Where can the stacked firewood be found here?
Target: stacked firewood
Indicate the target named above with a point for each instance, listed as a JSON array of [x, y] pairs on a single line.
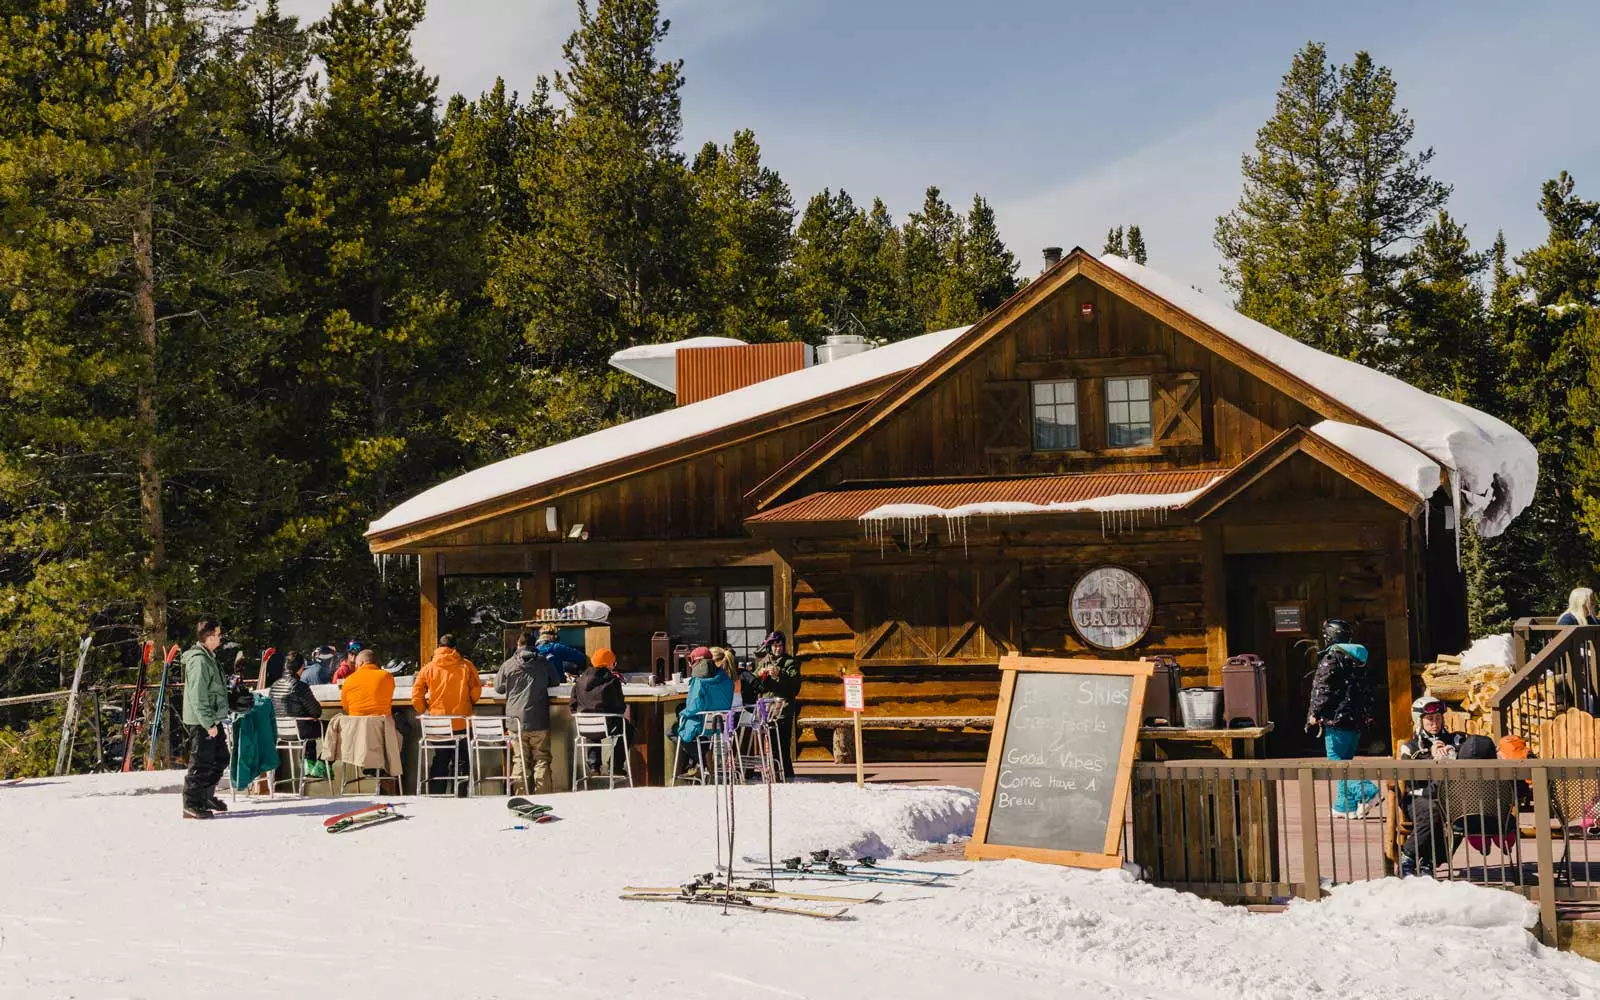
[[1471, 693]]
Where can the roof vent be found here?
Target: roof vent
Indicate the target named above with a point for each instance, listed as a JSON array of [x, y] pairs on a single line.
[[841, 345], [658, 363], [1052, 257]]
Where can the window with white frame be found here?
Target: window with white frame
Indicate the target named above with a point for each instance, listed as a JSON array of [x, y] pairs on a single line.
[[1055, 415], [1127, 412], [746, 619]]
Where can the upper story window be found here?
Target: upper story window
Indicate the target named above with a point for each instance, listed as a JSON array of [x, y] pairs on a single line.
[[1127, 412], [1055, 415]]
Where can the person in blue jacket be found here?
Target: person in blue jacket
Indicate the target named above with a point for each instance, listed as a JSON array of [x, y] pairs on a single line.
[[563, 659], [710, 690], [1342, 704]]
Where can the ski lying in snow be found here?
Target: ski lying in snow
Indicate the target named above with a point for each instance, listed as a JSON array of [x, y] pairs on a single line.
[[736, 901], [757, 889], [384, 812], [824, 875], [869, 864], [827, 860]]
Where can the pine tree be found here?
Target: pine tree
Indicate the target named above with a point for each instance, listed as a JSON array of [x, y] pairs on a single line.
[[746, 225], [1136, 249], [1437, 342], [931, 238], [1115, 244], [991, 268], [1287, 246], [847, 272], [1488, 613], [1390, 197], [130, 278]]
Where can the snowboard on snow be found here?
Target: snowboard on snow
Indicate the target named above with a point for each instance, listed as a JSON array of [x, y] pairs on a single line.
[[384, 812], [534, 812]]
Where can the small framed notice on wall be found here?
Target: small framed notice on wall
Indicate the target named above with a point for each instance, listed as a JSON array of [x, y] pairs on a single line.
[[1288, 619]]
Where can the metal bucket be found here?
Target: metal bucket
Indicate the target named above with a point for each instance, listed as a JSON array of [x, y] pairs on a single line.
[[1200, 707]]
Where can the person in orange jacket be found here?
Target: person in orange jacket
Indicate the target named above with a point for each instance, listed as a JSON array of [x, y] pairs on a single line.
[[448, 685], [369, 690]]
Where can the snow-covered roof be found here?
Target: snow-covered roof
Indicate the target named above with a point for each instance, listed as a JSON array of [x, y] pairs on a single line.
[[1493, 468], [658, 363], [1394, 458], [636, 437]]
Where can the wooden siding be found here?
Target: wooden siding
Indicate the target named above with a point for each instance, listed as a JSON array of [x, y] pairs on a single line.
[[700, 497], [943, 431]]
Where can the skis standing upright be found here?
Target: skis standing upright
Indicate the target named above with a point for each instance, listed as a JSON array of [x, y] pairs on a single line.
[[70, 719], [161, 707], [133, 725]]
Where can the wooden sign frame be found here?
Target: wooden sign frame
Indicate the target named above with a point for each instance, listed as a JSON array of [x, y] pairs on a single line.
[[978, 847]]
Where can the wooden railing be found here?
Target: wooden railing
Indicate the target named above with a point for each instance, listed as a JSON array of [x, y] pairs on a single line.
[[1265, 832], [1560, 676], [1528, 636]]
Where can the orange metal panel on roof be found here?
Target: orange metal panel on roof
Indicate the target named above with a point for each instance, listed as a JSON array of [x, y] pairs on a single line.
[[704, 372], [847, 504]]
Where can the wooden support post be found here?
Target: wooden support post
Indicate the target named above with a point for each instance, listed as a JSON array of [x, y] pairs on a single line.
[[1397, 637], [783, 600], [1546, 856], [431, 595], [538, 587], [1311, 880], [861, 777], [1214, 598]]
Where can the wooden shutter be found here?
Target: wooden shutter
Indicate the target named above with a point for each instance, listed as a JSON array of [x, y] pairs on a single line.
[[902, 620], [981, 610], [1007, 417], [1178, 415]]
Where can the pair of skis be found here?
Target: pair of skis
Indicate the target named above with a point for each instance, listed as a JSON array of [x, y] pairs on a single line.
[[809, 873], [756, 896], [133, 725]]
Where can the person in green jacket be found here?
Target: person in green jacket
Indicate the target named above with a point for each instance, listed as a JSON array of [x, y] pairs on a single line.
[[777, 674], [205, 705]]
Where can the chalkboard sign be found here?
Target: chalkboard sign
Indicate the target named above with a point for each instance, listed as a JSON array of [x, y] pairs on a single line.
[[689, 618], [1060, 758]]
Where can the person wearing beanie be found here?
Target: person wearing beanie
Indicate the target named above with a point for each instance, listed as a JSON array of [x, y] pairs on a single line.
[[599, 689], [710, 691], [777, 675]]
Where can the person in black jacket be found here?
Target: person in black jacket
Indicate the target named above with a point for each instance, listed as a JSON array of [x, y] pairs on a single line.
[[599, 689], [1341, 703], [292, 699], [777, 675]]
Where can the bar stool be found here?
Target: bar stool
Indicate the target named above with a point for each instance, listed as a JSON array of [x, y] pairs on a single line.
[[490, 733], [594, 732], [439, 734], [291, 743], [701, 744]]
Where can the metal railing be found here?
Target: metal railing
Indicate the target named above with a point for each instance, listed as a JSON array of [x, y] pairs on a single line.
[[1560, 676], [1265, 831]]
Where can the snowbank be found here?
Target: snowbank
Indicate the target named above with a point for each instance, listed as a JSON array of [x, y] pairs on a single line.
[[1488, 651], [658, 430], [1495, 468], [106, 893]]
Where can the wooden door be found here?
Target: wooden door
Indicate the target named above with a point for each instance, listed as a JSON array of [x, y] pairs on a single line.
[[1311, 583]]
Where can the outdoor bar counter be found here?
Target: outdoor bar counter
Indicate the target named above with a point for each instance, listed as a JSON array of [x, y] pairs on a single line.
[[652, 709]]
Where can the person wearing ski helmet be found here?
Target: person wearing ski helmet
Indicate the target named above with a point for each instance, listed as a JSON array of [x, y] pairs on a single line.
[[1432, 742], [777, 674], [1342, 704], [319, 669], [347, 666]]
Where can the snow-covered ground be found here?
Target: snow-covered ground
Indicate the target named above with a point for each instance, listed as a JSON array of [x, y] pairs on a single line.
[[105, 892]]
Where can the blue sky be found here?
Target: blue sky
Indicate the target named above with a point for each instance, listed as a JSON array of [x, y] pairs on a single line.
[[1072, 117]]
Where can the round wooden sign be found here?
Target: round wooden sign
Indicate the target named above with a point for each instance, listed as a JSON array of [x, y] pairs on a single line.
[[1111, 607]]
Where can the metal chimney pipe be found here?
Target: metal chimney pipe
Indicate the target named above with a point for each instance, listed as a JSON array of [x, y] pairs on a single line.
[[1052, 257]]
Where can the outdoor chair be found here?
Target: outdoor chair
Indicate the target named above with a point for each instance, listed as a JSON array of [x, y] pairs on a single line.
[[1481, 812], [757, 738], [439, 735], [596, 731], [379, 759], [491, 734], [293, 746], [704, 747]]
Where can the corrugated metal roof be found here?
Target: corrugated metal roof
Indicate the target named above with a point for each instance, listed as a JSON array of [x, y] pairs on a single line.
[[704, 372], [847, 504]]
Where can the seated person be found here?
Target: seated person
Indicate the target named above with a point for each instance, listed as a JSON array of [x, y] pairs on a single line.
[[1426, 845], [292, 699], [320, 669], [599, 689], [563, 659], [369, 690], [710, 690], [448, 685]]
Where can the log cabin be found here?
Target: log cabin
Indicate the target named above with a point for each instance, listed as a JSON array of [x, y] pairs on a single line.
[[1110, 464]]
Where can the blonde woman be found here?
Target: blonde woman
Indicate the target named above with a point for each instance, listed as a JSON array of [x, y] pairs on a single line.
[[1580, 608]]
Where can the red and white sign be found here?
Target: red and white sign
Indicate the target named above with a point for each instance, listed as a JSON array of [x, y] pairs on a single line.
[[855, 700]]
